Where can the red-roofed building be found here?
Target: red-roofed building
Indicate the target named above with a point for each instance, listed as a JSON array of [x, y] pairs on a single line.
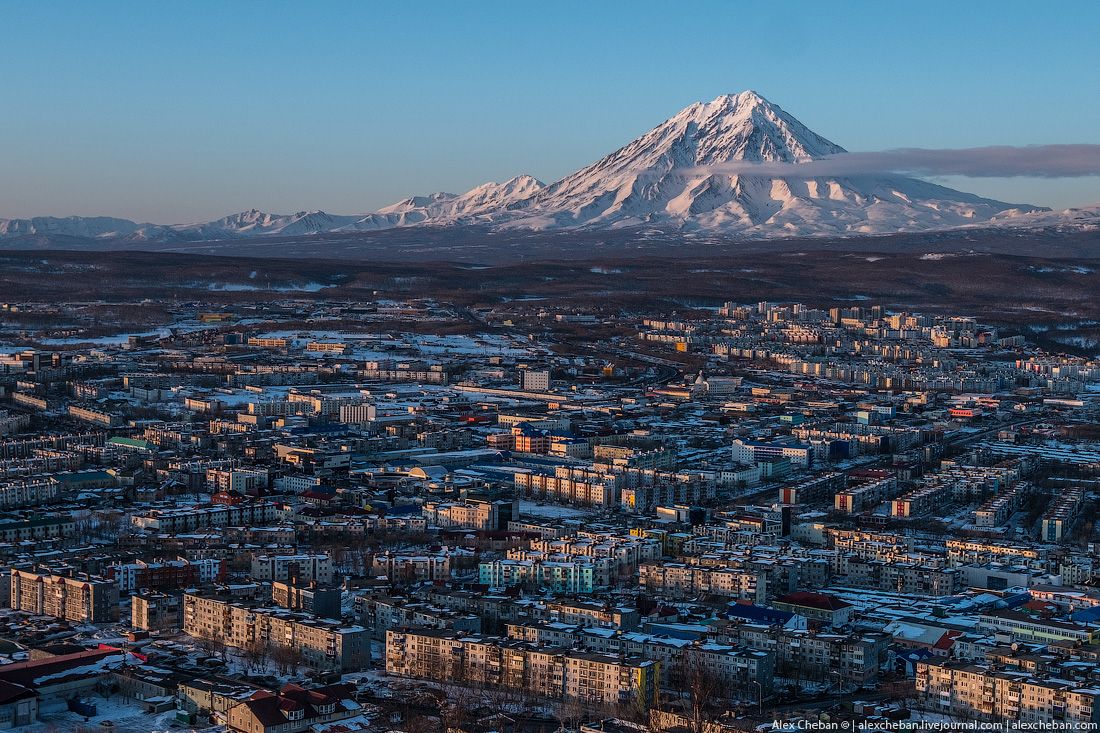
[[816, 607], [55, 680], [293, 709]]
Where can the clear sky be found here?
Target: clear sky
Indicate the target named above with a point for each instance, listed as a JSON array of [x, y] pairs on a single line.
[[182, 111]]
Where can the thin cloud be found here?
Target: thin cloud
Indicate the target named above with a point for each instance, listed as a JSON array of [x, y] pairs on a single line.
[[995, 161]]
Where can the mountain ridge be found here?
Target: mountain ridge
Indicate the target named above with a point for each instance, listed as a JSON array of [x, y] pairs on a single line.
[[670, 177]]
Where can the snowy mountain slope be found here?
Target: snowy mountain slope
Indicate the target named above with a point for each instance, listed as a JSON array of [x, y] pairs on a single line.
[[672, 176], [447, 209], [91, 227], [253, 223], [1085, 218]]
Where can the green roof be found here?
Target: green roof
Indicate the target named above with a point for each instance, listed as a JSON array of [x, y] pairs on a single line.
[[84, 476], [132, 443]]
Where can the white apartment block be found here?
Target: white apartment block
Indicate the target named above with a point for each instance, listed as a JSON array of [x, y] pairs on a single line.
[[304, 567]]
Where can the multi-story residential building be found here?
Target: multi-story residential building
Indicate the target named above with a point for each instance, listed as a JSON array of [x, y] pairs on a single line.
[[815, 489], [973, 551], [898, 575], [471, 513], [542, 672], [413, 567], [156, 611], [379, 614], [535, 380], [643, 489], [174, 520], [977, 692], [97, 417], [358, 413], [308, 598], [30, 491], [560, 574], [736, 668], [30, 530], [303, 567], [681, 580], [79, 598], [1062, 514], [321, 644], [165, 574], [865, 492], [592, 614], [748, 451], [574, 485], [236, 480], [856, 657]]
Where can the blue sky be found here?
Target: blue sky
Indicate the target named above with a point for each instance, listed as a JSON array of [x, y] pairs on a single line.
[[174, 112]]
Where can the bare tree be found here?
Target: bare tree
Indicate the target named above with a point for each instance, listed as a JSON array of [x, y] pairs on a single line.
[[691, 676]]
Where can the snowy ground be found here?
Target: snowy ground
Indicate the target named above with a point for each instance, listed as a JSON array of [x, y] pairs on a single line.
[[535, 509], [126, 717]]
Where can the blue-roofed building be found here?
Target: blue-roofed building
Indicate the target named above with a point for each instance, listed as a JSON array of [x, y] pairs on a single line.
[[1086, 614], [403, 510], [754, 614], [687, 632]]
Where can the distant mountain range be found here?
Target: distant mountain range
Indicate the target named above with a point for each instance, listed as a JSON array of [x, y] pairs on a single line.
[[671, 178]]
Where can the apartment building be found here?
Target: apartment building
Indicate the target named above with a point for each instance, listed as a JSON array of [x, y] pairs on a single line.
[[560, 574], [379, 614], [30, 491], [684, 581], [236, 480], [977, 692], [543, 672], [625, 551], [999, 507], [857, 656], [747, 451], [591, 614], [304, 567], [97, 417], [644, 489], [471, 513], [309, 598], [322, 644], [401, 567], [735, 667], [899, 576], [210, 515], [971, 551], [816, 489], [156, 611], [861, 495], [574, 485], [1062, 514], [358, 414], [534, 380], [80, 598], [23, 530]]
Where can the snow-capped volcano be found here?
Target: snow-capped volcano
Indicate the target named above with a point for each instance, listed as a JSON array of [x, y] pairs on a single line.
[[728, 166], [673, 176]]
